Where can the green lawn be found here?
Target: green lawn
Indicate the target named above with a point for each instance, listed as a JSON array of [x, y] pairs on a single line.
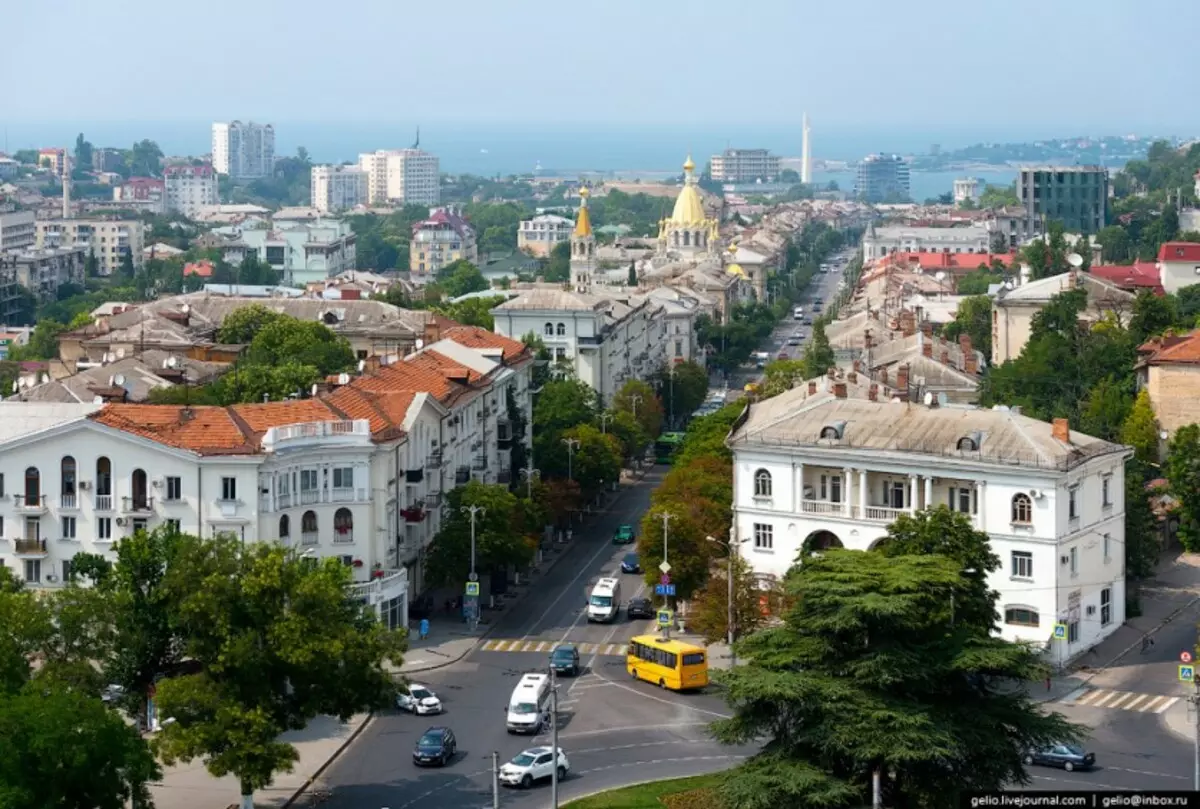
[[645, 796]]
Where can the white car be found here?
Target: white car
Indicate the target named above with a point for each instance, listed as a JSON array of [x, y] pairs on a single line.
[[418, 699], [534, 764]]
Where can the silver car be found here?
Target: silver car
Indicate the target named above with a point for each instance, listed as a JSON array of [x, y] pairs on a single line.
[[418, 699]]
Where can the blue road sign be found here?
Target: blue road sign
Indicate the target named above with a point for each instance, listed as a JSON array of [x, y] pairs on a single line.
[[665, 617], [1060, 631], [1187, 673], [664, 589], [473, 588]]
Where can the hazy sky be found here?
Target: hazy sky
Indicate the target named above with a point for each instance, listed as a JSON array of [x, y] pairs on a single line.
[[1052, 66]]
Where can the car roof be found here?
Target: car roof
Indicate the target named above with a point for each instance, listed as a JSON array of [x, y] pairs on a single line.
[[631, 553], [564, 647], [439, 730], [639, 599], [537, 751]]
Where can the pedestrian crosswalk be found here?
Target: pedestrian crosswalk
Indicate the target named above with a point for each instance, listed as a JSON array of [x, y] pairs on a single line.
[[1120, 700], [602, 649]]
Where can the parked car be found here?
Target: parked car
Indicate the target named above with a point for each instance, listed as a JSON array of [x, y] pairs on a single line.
[[624, 535], [807, 321], [631, 564], [793, 341], [783, 355], [639, 608], [534, 764], [436, 746], [418, 699], [1068, 756], [565, 659]]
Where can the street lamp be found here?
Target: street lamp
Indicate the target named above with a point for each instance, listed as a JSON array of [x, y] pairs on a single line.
[[529, 473], [671, 374], [572, 445], [665, 567], [968, 571], [634, 400], [474, 511], [605, 418], [731, 546]]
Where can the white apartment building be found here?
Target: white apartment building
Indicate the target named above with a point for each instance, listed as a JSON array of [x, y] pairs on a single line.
[[539, 235], [18, 230], [967, 189], [338, 188], [401, 177], [108, 239], [744, 166], [880, 241], [814, 470], [244, 151], [189, 188], [302, 252]]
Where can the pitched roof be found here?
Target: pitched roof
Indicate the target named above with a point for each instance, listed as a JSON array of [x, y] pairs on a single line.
[[476, 337], [1179, 251], [1171, 350], [1137, 276], [204, 430]]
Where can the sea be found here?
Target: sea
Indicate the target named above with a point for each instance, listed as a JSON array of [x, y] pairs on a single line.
[[551, 150]]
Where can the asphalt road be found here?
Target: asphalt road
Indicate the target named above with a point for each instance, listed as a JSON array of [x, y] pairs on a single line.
[[614, 731]]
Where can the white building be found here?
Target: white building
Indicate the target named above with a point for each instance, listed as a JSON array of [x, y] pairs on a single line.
[[244, 151], [190, 188], [302, 252], [744, 166], [880, 241], [108, 239], [813, 470], [966, 189], [539, 235], [338, 188], [18, 230], [401, 176]]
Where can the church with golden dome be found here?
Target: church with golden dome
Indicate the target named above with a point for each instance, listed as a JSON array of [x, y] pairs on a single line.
[[689, 231]]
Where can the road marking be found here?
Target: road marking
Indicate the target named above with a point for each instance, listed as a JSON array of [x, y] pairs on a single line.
[[625, 728], [608, 638], [516, 646], [541, 647], [1120, 700], [1090, 784]]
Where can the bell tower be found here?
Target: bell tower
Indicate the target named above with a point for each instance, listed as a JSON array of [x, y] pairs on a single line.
[[583, 247]]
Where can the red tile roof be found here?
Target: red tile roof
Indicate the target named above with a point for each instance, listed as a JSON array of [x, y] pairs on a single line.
[[1179, 251], [203, 268], [203, 430], [1171, 350], [1137, 276], [476, 337], [932, 260]]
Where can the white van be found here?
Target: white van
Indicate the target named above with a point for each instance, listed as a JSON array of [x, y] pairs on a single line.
[[605, 601], [798, 313], [529, 705]]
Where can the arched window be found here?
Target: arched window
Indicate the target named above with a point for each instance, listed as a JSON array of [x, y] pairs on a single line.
[[308, 523], [967, 445], [548, 329], [33, 487], [1022, 509], [67, 475], [562, 330], [103, 476], [285, 527], [138, 486], [1021, 616], [762, 483], [343, 525]]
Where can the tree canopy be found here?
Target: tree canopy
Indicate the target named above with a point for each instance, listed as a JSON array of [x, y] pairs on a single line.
[[639, 400], [504, 533]]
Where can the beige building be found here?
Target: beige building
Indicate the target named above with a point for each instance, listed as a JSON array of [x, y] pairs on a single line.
[[539, 235], [401, 176], [109, 239], [443, 238], [338, 188], [1169, 369], [17, 230], [1013, 309]]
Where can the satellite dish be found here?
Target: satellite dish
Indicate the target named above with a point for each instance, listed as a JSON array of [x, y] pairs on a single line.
[[1164, 435], [343, 379], [940, 276], [45, 378], [22, 383], [1075, 260], [315, 388], [361, 365], [120, 353], [16, 386], [172, 362], [119, 379], [420, 344], [928, 399], [185, 308], [111, 381], [98, 400]]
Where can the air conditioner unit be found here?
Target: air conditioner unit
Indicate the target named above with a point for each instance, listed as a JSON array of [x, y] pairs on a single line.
[[1065, 559], [121, 521], [84, 485], [158, 483], [1036, 494], [346, 559], [1091, 610], [52, 578]]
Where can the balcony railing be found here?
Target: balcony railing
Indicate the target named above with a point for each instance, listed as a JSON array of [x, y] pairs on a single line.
[[282, 500], [884, 513], [360, 428], [137, 505], [307, 498], [104, 502], [308, 538], [68, 502], [343, 537], [31, 503], [873, 513], [822, 507], [347, 495], [30, 547]]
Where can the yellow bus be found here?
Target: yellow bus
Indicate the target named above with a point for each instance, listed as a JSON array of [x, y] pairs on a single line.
[[667, 663]]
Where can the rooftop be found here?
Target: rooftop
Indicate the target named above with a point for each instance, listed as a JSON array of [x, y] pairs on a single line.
[[1181, 349], [19, 419]]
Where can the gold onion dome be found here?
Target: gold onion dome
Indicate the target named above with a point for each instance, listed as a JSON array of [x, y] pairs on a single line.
[[689, 207], [583, 222]]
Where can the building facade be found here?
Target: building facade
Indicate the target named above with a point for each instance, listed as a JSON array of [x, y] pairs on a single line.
[[338, 188], [189, 188], [967, 189], [18, 230], [443, 238], [878, 242], [882, 178], [539, 235], [1077, 196], [42, 272], [744, 166], [243, 151], [301, 252], [401, 177], [816, 470], [109, 240], [143, 193], [1178, 265]]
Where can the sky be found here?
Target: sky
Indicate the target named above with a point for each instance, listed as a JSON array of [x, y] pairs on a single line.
[[1037, 67]]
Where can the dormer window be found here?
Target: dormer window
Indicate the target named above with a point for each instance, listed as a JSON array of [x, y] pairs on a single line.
[[834, 431]]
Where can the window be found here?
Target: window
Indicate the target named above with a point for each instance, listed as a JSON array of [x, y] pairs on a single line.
[[679, 348], [68, 527], [1074, 562], [1073, 631], [561, 331], [33, 486], [343, 477], [1105, 493], [174, 526], [68, 573], [548, 329], [308, 480], [962, 499], [1021, 616], [308, 522], [835, 488], [103, 477], [1022, 509], [33, 570], [104, 529], [343, 525], [764, 536], [174, 488], [285, 527], [1072, 512], [1106, 606], [1107, 547], [229, 488], [967, 445], [1022, 565], [67, 475], [762, 483]]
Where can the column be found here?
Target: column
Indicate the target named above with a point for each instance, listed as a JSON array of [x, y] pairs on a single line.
[[981, 501], [799, 488], [912, 497], [862, 493], [928, 492], [847, 476]]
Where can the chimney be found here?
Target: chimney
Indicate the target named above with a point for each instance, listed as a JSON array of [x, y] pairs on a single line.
[[858, 366], [839, 390], [433, 332], [883, 376], [902, 380], [970, 361], [873, 393], [867, 338], [812, 388], [1061, 430], [927, 348], [945, 356], [371, 364], [964, 342], [927, 328], [852, 378], [832, 372]]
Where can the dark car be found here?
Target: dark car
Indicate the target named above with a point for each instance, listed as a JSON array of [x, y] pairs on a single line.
[[436, 746], [807, 321], [631, 564], [1068, 756], [639, 608], [565, 659]]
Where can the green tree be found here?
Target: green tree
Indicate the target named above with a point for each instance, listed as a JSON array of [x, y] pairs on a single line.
[[1105, 409], [998, 196], [501, 535], [977, 282], [817, 686], [688, 552], [705, 436], [709, 612], [460, 278], [277, 643], [638, 398], [91, 265], [562, 404], [818, 356], [596, 460], [974, 319], [287, 339], [145, 159], [472, 311], [243, 324], [558, 267], [1141, 530], [632, 280], [1115, 245], [1152, 315], [629, 433], [251, 382], [83, 153], [683, 390], [1140, 429], [1183, 471], [780, 376], [43, 342], [126, 271]]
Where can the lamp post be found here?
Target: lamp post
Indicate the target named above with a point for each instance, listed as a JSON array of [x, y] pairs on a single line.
[[572, 445], [474, 511], [731, 547], [529, 473], [666, 518], [634, 401], [605, 418]]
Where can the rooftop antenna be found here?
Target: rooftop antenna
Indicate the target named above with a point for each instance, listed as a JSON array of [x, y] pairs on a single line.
[[417, 142]]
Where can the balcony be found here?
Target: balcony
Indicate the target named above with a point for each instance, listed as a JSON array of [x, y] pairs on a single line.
[[345, 536], [347, 495], [884, 513], [137, 505], [414, 476], [68, 502], [339, 432], [504, 476], [413, 514], [434, 461], [282, 500], [30, 547], [308, 538], [30, 503], [104, 502], [826, 507]]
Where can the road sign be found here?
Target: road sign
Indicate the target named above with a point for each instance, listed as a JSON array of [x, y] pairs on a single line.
[[472, 576], [1185, 656], [1187, 673], [664, 567], [1060, 631], [665, 617], [664, 579], [664, 589], [473, 588]]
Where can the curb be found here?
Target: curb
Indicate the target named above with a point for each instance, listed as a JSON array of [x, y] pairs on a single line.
[[308, 782]]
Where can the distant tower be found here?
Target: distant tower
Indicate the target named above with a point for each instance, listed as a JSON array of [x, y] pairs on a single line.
[[806, 154], [583, 247], [66, 181]]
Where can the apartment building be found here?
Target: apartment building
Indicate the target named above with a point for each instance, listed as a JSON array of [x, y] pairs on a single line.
[[878, 242], [1013, 309], [539, 235], [401, 177], [53, 158], [302, 252], [1077, 196], [338, 188], [18, 230], [189, 188], [816, 469], [244, 151], [108, 239], [882, 178], [443, 238], [142, 193], [744, 166], [42, 272]]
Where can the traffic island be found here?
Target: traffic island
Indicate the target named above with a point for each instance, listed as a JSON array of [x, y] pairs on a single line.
[[697, 792]]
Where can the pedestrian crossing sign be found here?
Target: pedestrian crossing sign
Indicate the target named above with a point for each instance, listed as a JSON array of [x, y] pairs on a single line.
[[665, 617], [1187, 673], [1060, 631], [473, 588]]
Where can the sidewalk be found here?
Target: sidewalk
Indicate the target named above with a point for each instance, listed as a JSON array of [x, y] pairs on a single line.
[[189, 786]]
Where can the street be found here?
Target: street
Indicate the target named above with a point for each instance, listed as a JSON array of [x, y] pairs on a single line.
[[613, 730]]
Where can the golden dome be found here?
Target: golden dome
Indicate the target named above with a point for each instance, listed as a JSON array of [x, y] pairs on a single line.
[[689, 209], [583, 222], [688, 164], [735, 269], [584, 193]]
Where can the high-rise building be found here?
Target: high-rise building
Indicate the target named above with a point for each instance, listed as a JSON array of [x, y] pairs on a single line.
[[1077, 196], [966, 189], [244, 151], [338, 188], [744, 166], [882, 178], [188, 187], [401, 177]]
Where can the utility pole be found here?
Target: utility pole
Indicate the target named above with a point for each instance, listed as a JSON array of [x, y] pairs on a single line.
[[572, 445], [671, 375], [554, 739], [605, 418], [495, 780], [1196, 740], [473, 576], [529, 473], [666, 518]]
